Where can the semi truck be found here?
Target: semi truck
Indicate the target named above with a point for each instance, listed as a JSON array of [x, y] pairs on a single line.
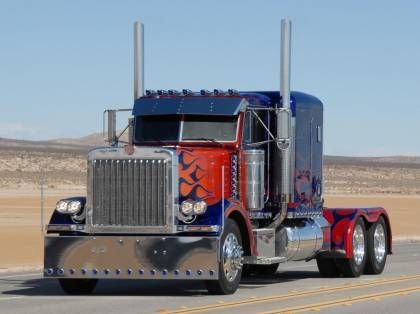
[[211, 186]]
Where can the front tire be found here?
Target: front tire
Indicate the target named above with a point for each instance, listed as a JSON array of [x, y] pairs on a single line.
[[377, 247], [230, 265], [262, 270], [77, 286], [328, 267], [353, 267]]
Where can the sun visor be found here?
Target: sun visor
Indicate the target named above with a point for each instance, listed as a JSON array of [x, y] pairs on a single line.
[[223, 106]]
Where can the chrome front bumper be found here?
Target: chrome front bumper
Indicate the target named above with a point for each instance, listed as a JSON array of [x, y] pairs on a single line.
[[131, 257]]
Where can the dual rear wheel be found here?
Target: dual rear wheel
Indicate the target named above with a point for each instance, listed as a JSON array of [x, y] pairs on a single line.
[[370, 250]]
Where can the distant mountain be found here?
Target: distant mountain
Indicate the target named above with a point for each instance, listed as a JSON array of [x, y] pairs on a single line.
[[94, 139], [387, 161], [42, 146], [86, 143]]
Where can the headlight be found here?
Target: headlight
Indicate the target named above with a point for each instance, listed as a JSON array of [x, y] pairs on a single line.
[[74, 207], [61, 207], [187, 207], [68, 207], [200, 208]]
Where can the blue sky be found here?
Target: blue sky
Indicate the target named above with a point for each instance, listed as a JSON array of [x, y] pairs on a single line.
[[63, 62]]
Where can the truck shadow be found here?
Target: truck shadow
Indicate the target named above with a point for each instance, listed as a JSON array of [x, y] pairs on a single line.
[[50, 287]]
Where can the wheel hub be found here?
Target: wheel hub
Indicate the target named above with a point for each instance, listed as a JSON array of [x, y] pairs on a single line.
[[358, 245], [379, 244], [232, 257]]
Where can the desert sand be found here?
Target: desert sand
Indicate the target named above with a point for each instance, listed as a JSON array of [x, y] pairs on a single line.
[[21, 241]]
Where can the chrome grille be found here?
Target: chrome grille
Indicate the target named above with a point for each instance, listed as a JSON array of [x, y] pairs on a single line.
[[129, 192]]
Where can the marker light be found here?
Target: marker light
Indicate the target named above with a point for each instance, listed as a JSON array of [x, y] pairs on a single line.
[[218, 92], [204, 92]]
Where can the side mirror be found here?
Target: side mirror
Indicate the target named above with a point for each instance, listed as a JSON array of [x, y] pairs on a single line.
[[110, 116], [130, 130]]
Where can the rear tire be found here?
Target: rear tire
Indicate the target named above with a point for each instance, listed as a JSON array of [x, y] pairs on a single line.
[[377, 247], [77, 286], [328, 267], [230, 265], [353, 267]]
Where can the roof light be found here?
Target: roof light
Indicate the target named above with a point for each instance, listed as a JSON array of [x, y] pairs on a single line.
[[173, 92], [204, 92], [186, 92], [150, 92], [162, 92], [232, 92], [218, 92]]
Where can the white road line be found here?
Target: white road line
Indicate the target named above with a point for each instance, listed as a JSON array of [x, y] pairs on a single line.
[[21, 275], [10, 298]]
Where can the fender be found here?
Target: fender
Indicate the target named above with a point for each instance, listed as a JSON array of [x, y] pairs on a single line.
[[342, 222], [236, 208]]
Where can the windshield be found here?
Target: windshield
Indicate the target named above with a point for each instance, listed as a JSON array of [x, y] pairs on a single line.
[[175, 128]]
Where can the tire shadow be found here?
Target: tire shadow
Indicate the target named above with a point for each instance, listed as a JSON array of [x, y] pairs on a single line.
[[106, 287]]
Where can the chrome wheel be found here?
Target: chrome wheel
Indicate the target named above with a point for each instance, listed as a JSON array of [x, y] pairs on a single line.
[[358, 244], [232, 257], [379, 245]]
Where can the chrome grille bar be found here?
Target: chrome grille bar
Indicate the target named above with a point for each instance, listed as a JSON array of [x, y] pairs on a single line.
[[129, 192]]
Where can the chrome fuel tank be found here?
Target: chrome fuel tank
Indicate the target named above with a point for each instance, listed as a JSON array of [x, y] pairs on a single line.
[[254, 163], [303, 239]]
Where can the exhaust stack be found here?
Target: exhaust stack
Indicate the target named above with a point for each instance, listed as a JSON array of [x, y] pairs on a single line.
[[286, 27], [282, 172], [138, 60]]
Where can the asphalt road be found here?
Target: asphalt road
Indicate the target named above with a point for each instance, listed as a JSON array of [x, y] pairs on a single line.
[[296, 288]]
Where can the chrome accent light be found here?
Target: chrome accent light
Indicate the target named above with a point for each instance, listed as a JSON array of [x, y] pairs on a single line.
[[200, 207]]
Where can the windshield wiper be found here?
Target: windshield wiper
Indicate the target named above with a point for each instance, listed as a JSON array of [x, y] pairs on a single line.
[[203, 139]]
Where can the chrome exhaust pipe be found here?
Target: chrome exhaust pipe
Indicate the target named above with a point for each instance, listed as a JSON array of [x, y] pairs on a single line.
[[286, 30], [138, 60], [282, 176]]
